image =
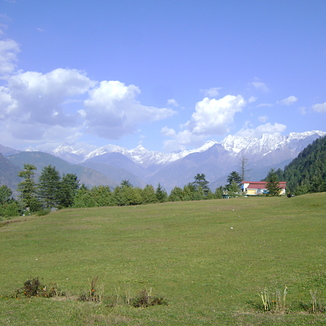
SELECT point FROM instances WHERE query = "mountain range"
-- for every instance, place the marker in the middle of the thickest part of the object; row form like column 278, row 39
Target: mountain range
column 109, row 165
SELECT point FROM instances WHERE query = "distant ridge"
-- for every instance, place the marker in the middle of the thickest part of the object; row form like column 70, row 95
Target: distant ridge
column 215, row 159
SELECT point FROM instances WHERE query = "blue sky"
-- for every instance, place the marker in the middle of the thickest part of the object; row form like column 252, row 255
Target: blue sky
column 169, row 75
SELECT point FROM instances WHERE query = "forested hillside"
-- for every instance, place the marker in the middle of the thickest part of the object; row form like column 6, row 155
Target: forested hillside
column 307, row 172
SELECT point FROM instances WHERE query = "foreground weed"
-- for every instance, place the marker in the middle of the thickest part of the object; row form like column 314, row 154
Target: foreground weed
column 34, row 288
column 315, row 305
column 275, row 302
column 93, row 295
column 146, row 299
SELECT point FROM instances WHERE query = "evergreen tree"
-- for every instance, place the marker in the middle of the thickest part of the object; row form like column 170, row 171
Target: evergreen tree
column 5, row 194
column 273, row 185
column 84, row 198
column 234, row 177
column 103, row 196
column 161, row 194
column 28, row 188
column 176, row 194
column 49, row 187
column 200, row 181
column 68, row 189
column 307, row 172
column 126, row 183
column 148, row 195
column 219, row 193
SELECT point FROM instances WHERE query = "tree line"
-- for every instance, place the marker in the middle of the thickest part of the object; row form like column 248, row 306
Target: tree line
column 305, row 174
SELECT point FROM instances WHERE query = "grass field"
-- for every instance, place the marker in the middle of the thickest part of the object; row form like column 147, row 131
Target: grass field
column 208, row 259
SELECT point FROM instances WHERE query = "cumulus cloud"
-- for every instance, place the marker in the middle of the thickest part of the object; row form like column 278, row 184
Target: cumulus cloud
column 267, row 128
column 36, row 106
column 112, row 110
column 39, row 98
column 320, row 107
column 8, row 56
column 211, row 117
column 289, row 100
column 32, row 104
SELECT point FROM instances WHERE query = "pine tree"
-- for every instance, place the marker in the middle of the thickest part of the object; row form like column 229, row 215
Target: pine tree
column 49, row 187
column 28, row 188
column 273, row 185
column 161, row 194
column 148, row 195
column 68, row 189
column 201, row 184
column 5, row 194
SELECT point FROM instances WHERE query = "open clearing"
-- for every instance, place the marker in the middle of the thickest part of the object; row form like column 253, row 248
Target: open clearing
column 208, row 259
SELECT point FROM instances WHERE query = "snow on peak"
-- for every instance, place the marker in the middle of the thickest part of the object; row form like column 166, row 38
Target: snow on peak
column 233, row 144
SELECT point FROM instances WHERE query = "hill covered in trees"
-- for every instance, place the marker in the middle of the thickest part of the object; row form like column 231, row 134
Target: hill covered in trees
column 307, row 172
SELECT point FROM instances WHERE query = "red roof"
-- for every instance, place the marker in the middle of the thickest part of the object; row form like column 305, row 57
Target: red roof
column 262, row 184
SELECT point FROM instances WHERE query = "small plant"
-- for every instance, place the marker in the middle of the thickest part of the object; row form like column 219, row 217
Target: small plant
column 93, row 295
column 34, row 288
column 145, row 299
column 274, row 302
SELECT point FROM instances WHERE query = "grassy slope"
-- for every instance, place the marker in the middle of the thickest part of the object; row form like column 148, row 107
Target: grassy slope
column 186, row 251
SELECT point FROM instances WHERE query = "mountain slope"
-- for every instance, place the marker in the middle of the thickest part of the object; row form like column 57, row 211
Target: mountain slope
column 8, row 173
column 307, row 172
column 86, row 175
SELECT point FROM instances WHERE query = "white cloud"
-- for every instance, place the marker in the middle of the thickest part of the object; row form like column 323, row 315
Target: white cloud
column 8, row 56
column 263, row 118
column 289, row 100
column 252, row 99
column 260, row 86
column 211, row 117
column 39, row 98
column 264, row 105
column 211, row 92
column 172, row 102
column 320, row 107
column 112, row 110
column 39, row 107
column 168, row 132
column 180, row 140
column 267, row 128
column 32, row 105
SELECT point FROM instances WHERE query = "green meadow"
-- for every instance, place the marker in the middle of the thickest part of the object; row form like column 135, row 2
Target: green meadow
column 209, row 260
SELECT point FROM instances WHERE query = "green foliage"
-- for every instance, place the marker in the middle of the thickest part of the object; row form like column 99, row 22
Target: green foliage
column 218, row 193
column 161, row 194
column 5, row 194
column 234, row 178
column 68, row 188
column 10, row 208
column 307, row 173
column 28, row 188
column 102, row 196
column 84, row 198
column 176, row 194
column 273, row 184
column 200, row 181
column 49, row 188
column 148, row 195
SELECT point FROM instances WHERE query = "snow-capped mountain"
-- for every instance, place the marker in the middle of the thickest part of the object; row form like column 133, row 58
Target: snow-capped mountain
column 215, row 159
column 235, row 145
